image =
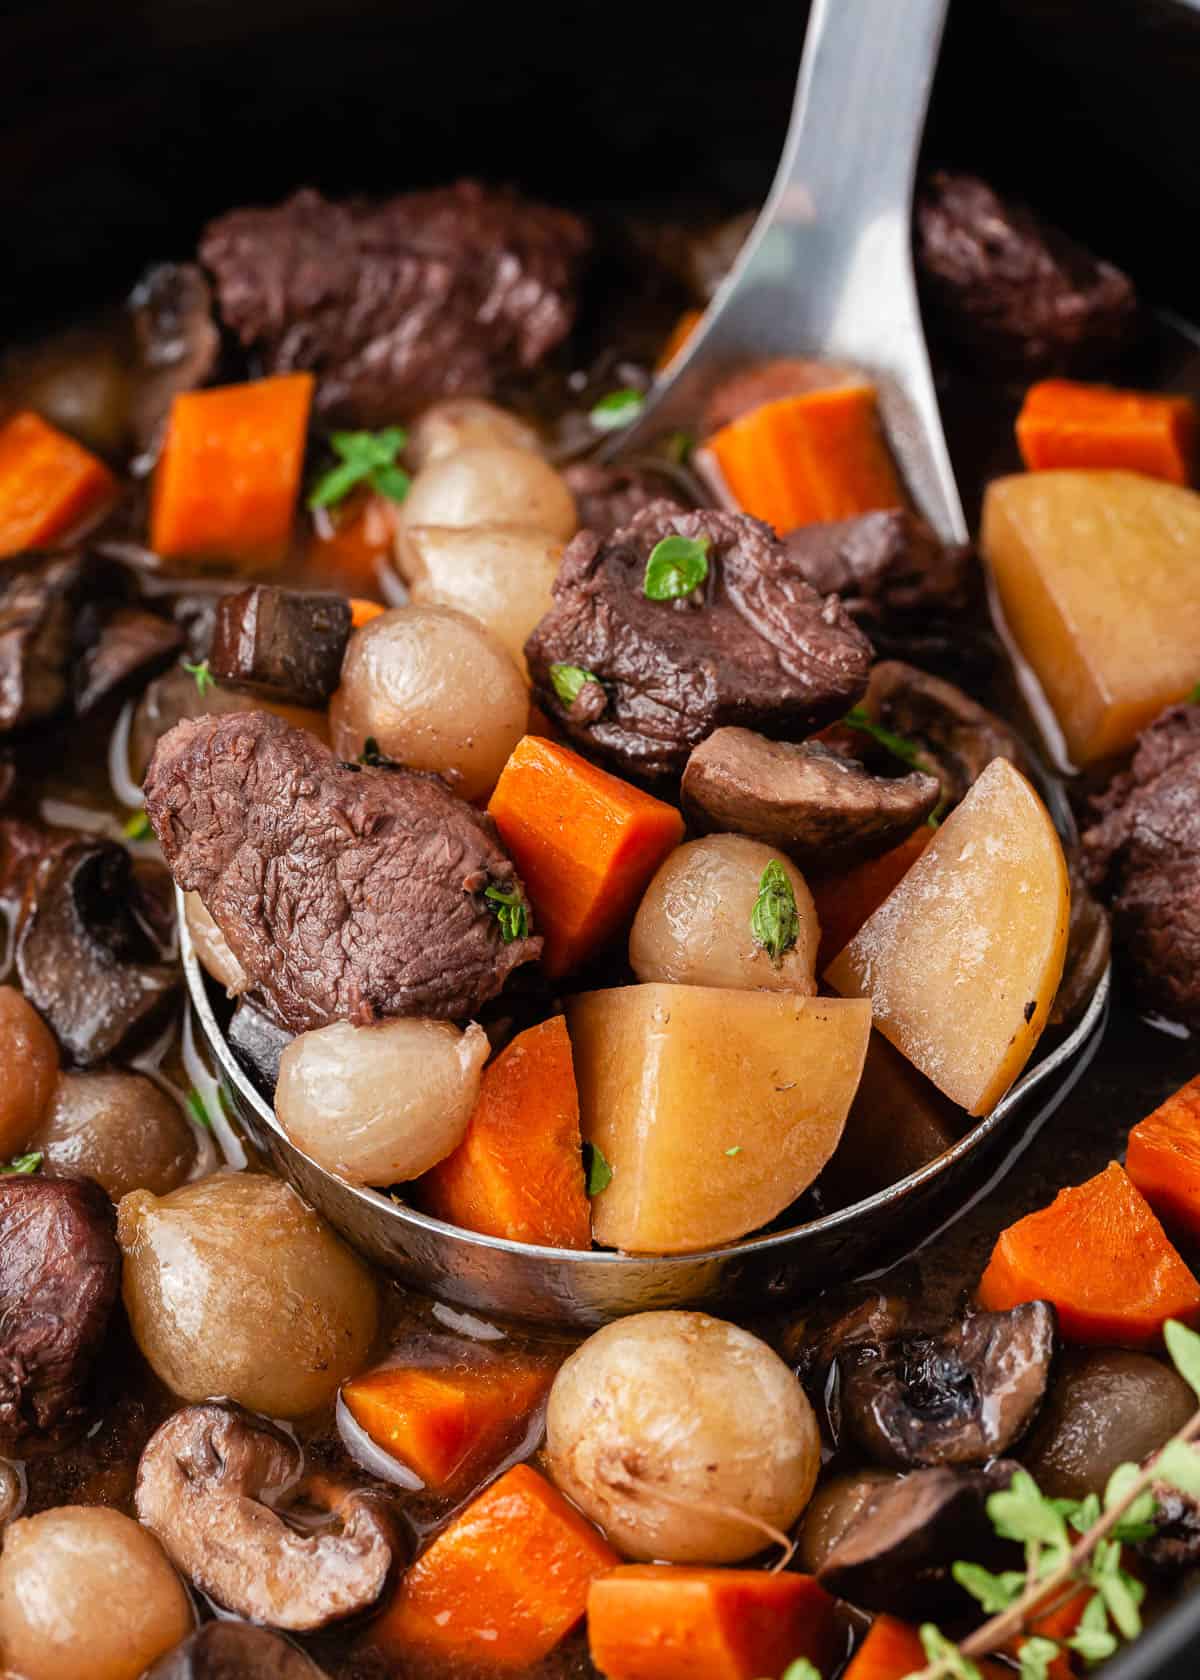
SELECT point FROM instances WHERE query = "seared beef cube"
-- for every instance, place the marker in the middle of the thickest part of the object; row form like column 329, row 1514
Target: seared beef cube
column 38, row 599
column 753, row 645
column 1143, row 856
column 885, row 566
column 286, row 643
column 346, row 894
column 607, row 498
column 392, row 305
column 132, row 647
column 177, row 342
column 1013, row 291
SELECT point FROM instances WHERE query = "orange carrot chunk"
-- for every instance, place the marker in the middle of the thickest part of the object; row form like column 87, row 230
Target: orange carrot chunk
column 1099, row 1254
column 440, row 1421
column 648, row 1622
column 503, row 1584
column 518, row 1172
column 1163, row 1159
column 845, row 901
column 807, row 458
column 1063, row 424
column 892, row 1651
column 362, row 612
column 48, row 484
column 227, row 480
column 585, row 844
column 678, row 337
column 348, row 544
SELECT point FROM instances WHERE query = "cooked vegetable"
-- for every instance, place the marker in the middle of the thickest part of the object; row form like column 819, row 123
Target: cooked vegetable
column 893, row 1651
column 678, row 336
column 235, row 1651
column 671, row 1077
column 466, row 423
column 687, row 1439
column 800, row 459
column 227, row 480
column 234, row 1287
column 445, row 1421
column 650, row 1623
column 500, row 574
column 436, row 691
column 1096, row 575
column 29, row 1057
column 87, row 1591
column 212, row 948
column 381, row 1104
column 362, row 612
column 503, row 1584
column 1100, row 1256
column 364, row 458
column 837, row 1504
column 49, row 484
column 726, row 911
column 962, row 961
column 518, row 1172
column 584, row 843
column 843, row 902
column 484, row 484
column 1064, row 424
column 1163, row 1159
column 120, row 1129
column 350, row 547
column 617, row 409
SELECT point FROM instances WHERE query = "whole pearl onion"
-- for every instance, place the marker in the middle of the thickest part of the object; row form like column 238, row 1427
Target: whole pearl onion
column 382, row 1104
column 485, row 485
column 436, row 691
column 503, row 575
column 685, row 1438
column 465, row 422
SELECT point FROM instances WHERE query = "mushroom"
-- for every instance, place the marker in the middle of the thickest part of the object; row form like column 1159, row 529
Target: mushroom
column 896, row 1554
column 956, row 1396
column 234, row 1651
column 177, row 343
column 813, row 804
column 211, row 1484
column 957, row 737
column 834, row 1509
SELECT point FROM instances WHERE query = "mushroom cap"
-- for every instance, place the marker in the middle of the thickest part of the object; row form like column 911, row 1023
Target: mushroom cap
column 957, row 736
column 211, row 1484
column 234, row 1651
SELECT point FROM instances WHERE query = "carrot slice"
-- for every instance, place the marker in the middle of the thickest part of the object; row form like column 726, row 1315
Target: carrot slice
column 647, row 1622
column 678, row 337
column 1099, row 1254
column 441, row 1421
column 229, row 473
column 892, row 1651
column 1064, row 424
column 845, row 901
column 518, row 1172
column 585, row 844
column 48, row 484
column 503, row 1583
column 801, row 459
column 349, row 543
column 1163, row 1159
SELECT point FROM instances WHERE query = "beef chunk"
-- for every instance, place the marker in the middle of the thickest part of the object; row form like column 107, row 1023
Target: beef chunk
column 38, row 599
column 1142, row 854
column 392, row 305
column 87, row 953
column 607, row 498
column 60, row 1269
column 754, row 646
column 345, row 894
column 1012, row 290
column 285, row 643
column 133, row 646
column 887, row 567
column 177, row 343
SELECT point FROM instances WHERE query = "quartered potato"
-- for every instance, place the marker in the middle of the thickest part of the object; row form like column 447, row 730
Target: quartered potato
column 714, row 1109
column 1099, row 578
column 962, row 961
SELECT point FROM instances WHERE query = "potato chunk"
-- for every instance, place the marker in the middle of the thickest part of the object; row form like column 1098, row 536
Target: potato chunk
column 962, row 961
column 1098, row 579
column 713, row 1108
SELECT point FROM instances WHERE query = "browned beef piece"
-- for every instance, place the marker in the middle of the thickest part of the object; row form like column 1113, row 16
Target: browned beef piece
column 886, row 567
column 755, row 645
column 345, row 894
column 59, row 1273
column 177, row 342
column 1142, row 854
column 285, row 643
column 607, row 498
column 133, row 646
column 1013, row 291
column 392, row 305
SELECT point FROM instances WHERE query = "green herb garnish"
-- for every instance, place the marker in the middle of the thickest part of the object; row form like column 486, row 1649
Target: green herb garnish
column 736, row 1149
column 568, row 680
column 1194, row 696
column 366, row 458
column 204, row 678
column 678, row 447
column 617, row 409
column 137, row 827
column 512, row 912
column 596, row 1170
column 801, row 1669
column 199, row 1112
column 676, row 566
column 774, row 922
column 22, row 1166
column 908, row 751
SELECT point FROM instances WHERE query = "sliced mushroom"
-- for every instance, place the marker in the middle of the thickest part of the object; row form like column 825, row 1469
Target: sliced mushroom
column 813, row 804
column 958, row 1396
column 234, row 1651
column 133, row 646
column 211, row 1485
column 896, row 1554
column 957, row 737
column 834, row 1509
column 1175, row 1543
column 177, row 340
